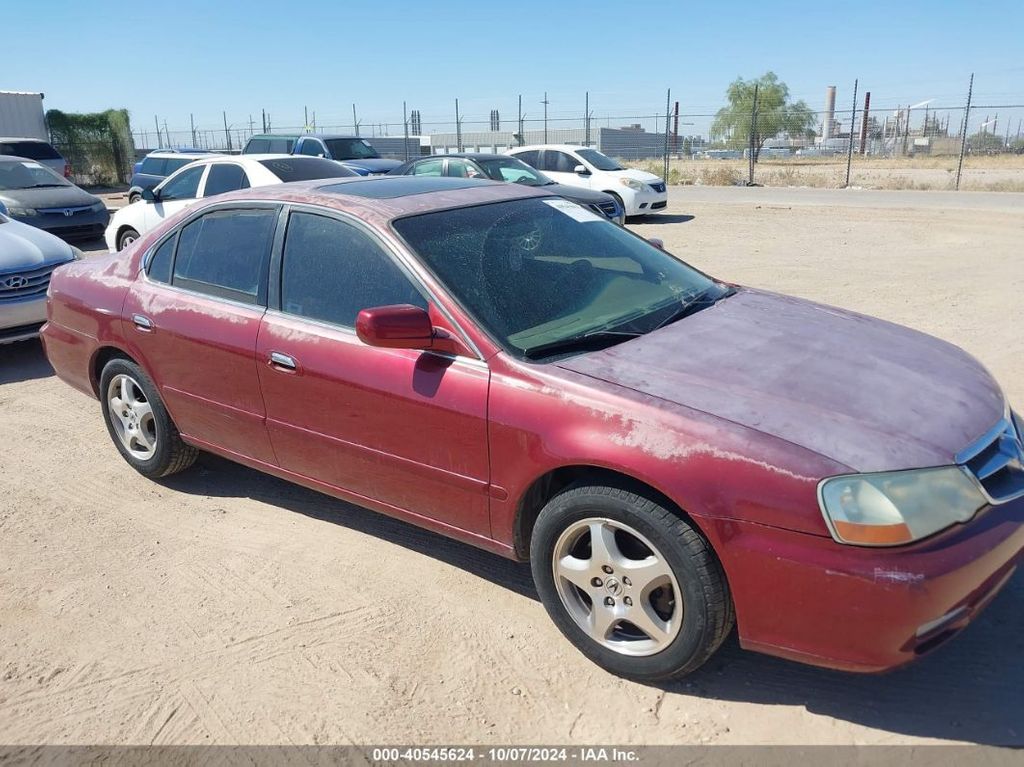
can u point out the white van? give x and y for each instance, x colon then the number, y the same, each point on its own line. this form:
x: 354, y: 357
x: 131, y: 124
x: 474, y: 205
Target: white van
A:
x: 639, y: 192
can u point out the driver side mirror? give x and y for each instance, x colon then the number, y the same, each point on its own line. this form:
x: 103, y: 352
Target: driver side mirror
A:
x: 150, y: 195
x: 3, y: 209
x: 581, y: 170
x: 400, y: 326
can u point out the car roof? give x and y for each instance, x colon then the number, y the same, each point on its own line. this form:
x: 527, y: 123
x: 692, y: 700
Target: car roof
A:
x: 561, y: 147
x: 18, y: 158
x: 384, y: 198
x: 24, y: 138
x: 180, y: 154
x: 470, y: 156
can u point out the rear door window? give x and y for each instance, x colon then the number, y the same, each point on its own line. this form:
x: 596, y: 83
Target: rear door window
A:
x: 531, y: 157
x: 225, y: 177
x: 226, y: 254
x: 154, y: 166
x: 161, y: 260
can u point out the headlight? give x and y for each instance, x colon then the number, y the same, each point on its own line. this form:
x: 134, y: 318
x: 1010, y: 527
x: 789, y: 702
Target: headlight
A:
x: 99, y: 207
x: 893, y: 508
x: 633, y: 184
x: 23, y: 211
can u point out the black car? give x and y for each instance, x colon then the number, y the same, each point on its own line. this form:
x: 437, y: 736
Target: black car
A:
x: 499, y: 167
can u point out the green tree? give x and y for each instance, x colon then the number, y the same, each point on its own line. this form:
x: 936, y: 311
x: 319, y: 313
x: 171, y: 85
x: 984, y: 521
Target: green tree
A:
x: 775, y: 114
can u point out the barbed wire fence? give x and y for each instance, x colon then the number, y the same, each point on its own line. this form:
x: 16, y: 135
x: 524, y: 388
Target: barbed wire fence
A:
x: 867, y: 141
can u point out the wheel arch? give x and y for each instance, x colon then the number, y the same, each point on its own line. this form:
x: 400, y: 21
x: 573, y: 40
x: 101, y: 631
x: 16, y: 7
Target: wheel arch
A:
x: 100, y: 358
x: 549, y: 484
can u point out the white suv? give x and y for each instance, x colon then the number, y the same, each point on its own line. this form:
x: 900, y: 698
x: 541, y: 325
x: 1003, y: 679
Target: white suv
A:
x: 638, y: 191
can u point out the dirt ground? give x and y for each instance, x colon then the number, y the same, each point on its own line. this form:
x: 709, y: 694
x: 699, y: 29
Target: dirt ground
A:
x: 224, y: 606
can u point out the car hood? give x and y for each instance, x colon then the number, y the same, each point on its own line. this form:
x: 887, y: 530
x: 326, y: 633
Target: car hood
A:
x: 577, y: 194
x: 25, y: 247
x: 639, y: 175
x: 378, y: 165
x: 866, y: 393
x: 48, y: 197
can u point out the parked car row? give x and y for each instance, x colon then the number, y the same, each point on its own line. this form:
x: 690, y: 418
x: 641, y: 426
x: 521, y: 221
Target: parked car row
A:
x: 675, y: 455
x: 208, y: 177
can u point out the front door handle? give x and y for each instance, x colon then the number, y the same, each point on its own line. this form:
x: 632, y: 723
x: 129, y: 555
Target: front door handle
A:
x: 142, y: 322
x: 279, y: 360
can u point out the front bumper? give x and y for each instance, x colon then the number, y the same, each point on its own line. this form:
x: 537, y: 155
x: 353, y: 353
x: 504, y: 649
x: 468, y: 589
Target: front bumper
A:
x: 810, y: 599
x: 642, y: 203
x: 21, y: 319
x: 78, y: 225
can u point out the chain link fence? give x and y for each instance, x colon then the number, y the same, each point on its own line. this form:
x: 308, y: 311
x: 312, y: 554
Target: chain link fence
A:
x: 858, y: 139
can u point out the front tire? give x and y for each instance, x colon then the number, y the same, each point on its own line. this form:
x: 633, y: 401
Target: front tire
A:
x: 631, y: 584
x: 134, y: 197
x: 139, y: 424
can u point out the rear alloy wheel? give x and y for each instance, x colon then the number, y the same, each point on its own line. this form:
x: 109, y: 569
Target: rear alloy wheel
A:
x: 138, y: 422
x: 126, y: 238
x: 633, y: 585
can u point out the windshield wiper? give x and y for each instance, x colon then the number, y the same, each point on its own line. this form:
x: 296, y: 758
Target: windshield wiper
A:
x: 689, y: 306
x: 590, y: 340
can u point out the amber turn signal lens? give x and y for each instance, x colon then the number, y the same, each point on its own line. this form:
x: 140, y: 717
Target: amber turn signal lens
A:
x: 873, y: 535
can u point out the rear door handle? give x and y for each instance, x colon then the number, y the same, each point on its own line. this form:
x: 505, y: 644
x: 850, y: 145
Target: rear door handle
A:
x: 277, y: 359
x: 142, y: 322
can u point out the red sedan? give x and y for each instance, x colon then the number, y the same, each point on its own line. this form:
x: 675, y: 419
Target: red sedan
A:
x: 675, y: 455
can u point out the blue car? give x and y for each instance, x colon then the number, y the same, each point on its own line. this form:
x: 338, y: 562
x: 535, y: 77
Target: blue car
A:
x: 353, y: 152
x: 158, y: 165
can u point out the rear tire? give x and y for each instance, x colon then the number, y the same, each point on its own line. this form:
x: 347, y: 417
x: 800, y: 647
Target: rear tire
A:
x: 139, y: 424
x: 133, y: 198
x: 649, y: 602
x: 126, y: 238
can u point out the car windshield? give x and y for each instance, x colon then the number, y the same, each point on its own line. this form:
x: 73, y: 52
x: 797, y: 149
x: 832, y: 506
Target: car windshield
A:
x: 511, y: 169
x: 27, y: 174
x: 539, y: 272
x: 306, y: 168
x: 350, y: 149
x: 598, y: 160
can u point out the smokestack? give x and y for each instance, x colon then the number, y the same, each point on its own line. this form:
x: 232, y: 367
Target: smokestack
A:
x: 828, y: 124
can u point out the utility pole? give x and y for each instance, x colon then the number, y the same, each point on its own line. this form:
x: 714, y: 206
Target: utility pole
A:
x: 849, y: 147
x: 264, y: 115
x: 192, y: 124
x: 522, y: 138
x: 159, y: 138
x: 458, y: 127
x: 753, y: 133
x: 545, y: 103
x: 355, y: 121
x: 963, y: 137
x: 405, y: 122
x: 586, y: 119
x: 305, y: 119
x: 227, y: 133
x: 668, y: 115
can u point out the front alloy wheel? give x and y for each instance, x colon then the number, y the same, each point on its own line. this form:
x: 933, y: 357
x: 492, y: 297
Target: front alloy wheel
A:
x: 630, y: 581
x: 617, y: 586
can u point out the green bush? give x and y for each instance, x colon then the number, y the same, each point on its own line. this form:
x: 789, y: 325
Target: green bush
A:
x: 99, y: 145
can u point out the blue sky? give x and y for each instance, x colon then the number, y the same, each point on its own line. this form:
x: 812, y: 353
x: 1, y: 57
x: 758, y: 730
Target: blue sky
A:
x: 202, y: 57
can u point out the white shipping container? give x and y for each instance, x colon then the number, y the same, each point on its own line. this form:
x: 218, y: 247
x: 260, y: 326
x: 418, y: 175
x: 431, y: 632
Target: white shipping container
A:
x: 21, y: 115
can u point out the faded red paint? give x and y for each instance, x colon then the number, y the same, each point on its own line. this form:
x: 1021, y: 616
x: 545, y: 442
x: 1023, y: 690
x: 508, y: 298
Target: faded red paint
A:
x: 735, y: 414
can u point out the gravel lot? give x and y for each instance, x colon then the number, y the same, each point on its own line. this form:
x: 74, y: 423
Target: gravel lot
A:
x: 224, y: 606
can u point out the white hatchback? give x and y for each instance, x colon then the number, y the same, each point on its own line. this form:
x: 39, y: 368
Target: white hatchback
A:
x: 209, y: 177
x: 639, y: 192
